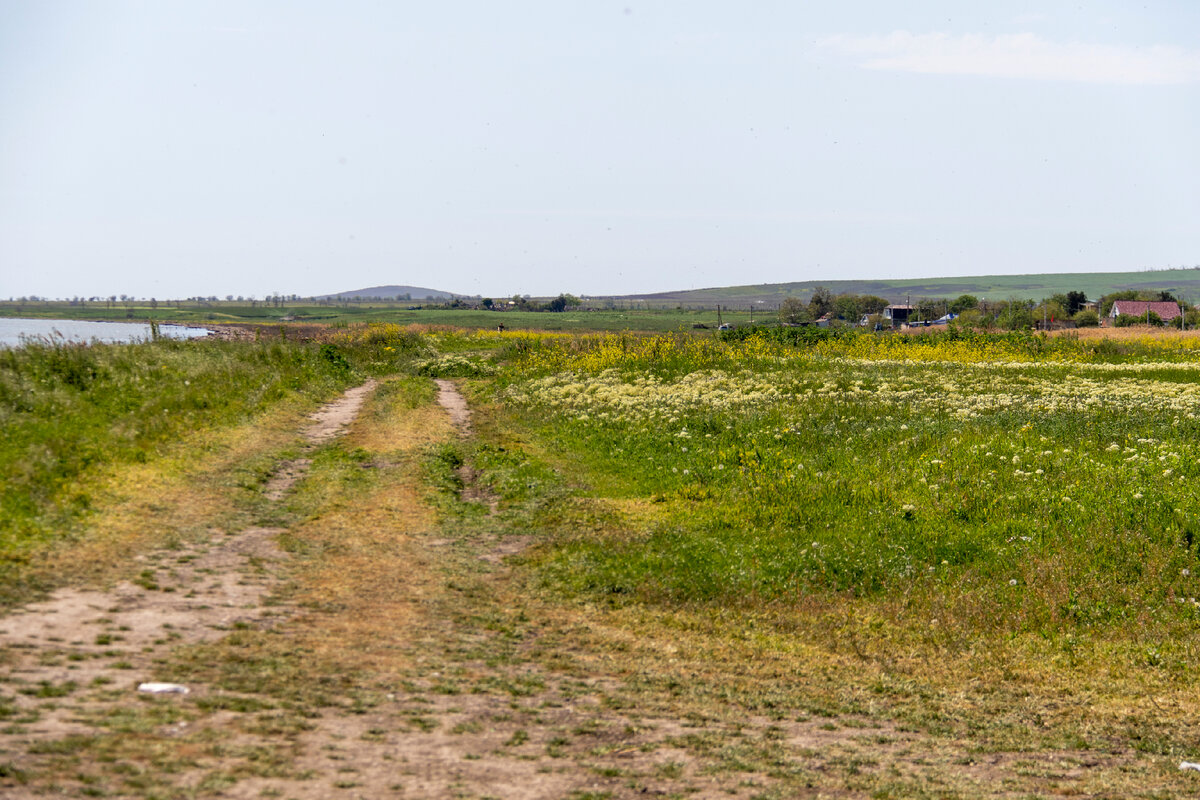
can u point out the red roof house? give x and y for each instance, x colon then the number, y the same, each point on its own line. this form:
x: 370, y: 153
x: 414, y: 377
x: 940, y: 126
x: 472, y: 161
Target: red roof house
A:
x: 1137, y: 308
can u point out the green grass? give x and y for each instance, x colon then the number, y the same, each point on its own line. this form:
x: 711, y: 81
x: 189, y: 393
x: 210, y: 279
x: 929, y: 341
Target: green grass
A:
x: 923, y: 538
x: 88, y: 427
x: 270, y: 317
x: 1053, y: 497
x: 68, y: 409
x: 992, y: 287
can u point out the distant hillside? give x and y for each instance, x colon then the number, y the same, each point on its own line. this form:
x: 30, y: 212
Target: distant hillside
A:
x: 401, y: 292
x: 1185, y: 282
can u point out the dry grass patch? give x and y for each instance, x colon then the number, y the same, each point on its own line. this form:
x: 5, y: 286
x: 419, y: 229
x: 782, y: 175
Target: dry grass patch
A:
x: 1132, y: 333
x: 399, y: 417
x: 369, y: 587
x: 196, y: 486
x: 825, y: 703
x: 360, y: 570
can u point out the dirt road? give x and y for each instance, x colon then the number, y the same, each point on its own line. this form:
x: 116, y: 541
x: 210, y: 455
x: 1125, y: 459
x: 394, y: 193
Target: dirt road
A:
x: 370, y: 637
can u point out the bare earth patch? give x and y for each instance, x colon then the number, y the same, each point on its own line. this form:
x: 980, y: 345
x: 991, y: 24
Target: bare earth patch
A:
x: 80, y: 655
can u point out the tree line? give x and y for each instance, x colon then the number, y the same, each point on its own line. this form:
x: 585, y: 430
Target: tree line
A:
x: 1060, y: 309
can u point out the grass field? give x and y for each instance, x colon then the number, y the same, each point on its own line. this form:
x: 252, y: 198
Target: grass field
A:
x: 1004, y: 523
x: 217, y: 313
x: 941, y: 565
x: 1185, y: 283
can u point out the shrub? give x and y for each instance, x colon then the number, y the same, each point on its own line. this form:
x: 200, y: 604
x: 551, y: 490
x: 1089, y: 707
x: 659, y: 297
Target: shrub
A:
x: 1087, y: 319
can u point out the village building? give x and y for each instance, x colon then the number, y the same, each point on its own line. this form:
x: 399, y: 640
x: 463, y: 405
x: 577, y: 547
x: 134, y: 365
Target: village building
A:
x: 1166, y: 311
x: 897, y: 314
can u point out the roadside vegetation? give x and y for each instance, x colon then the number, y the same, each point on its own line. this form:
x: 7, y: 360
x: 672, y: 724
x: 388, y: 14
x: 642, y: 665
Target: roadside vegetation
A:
x: 74, y: 415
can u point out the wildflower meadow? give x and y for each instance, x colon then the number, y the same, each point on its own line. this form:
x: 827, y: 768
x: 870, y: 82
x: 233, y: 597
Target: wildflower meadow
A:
x: 1002, y: 485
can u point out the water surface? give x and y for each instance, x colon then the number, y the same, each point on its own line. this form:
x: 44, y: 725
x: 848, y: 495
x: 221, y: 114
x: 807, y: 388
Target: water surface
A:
x: 14, y: 330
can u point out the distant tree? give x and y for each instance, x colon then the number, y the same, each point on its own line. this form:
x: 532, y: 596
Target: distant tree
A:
x: 1190, y: 317
x: 1106, y: 302
x: 793, y: 311
x: 1016, y: 315
x: 972, y: 318
x: 930, y: 308
x: 963, y: 303
x: 1051, y: 310
x: 848, y: 306
x: 871, y: 304
x: 821, y: 302
x: 562, y: 302
x: 487, y: 303
x: 1075, y: 302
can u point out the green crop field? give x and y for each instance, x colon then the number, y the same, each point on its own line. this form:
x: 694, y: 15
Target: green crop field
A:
x: 1184, y: 282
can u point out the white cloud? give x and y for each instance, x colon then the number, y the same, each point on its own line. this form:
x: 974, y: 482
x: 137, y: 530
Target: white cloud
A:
x: 1022, y: 55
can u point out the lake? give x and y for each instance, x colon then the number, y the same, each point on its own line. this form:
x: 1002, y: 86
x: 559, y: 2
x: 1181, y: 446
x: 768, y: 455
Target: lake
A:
x: 12, y: 331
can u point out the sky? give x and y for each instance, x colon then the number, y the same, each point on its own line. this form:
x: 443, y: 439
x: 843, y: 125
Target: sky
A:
x: 170, y: 149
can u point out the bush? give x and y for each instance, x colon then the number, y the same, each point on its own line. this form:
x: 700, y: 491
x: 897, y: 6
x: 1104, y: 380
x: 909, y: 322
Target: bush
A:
x: 807, y: 335
x: 971, y: 318
x: 1087, y: 319
x: 1191, y: 319
x: 1016, y: 317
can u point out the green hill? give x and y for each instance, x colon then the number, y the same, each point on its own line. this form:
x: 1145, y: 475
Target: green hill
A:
x: 1182, y: 282
x: 392, y: 292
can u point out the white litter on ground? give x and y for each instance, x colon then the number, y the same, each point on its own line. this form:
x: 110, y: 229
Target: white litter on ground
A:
x: 163, y: 688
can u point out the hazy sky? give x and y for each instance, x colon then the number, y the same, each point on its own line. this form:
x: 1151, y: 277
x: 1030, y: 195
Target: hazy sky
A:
x: 169, y: 149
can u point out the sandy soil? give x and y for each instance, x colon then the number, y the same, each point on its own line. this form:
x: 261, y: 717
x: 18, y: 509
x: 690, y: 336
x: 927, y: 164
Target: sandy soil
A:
x: 455, y: 404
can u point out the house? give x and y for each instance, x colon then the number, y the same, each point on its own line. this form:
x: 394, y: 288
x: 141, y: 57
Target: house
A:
x: 825, y: 319
x: 897, y: 314
x: 1166, y: 311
